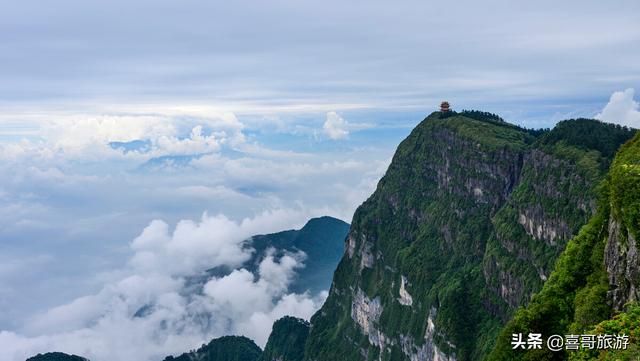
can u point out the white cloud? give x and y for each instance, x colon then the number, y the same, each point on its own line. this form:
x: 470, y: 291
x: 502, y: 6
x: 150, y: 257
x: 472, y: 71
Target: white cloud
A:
x: 176, y: 318
x: 196, y: 143
x: 258, y: 325
x: 87, y: 137
x: 251, y: 302
x: 335, y: 127
x: 77, y: 132
x: 622, y: 109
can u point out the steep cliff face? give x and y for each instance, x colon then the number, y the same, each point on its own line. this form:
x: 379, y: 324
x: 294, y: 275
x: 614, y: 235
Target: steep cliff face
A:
x: 553, y: 199
x: 595, y: 277
x: 621, y: 252
x: 462, y: 229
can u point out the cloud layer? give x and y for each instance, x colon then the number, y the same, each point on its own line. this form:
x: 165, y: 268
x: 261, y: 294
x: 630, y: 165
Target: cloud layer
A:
x: 85, y: 184
x: 150, y: 309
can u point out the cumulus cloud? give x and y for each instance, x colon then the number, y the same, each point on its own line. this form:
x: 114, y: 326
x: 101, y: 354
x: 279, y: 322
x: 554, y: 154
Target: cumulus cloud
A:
x: 213, y: 242
x: 152, y: 308
x: 335, y: 127
x: 622, y: 109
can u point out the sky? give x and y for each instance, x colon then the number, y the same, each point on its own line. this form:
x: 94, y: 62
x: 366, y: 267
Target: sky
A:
x: 136, y: 134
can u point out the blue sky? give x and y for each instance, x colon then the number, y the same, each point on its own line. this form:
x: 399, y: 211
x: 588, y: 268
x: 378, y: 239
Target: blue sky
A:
x: 230, y: 119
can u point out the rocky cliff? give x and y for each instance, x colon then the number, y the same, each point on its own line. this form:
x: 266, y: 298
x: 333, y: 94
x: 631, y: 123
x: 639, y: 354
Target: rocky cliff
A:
x: 463, y: 228
x: 595, y: 278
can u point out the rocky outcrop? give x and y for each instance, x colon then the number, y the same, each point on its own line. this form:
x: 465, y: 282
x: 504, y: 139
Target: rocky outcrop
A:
x: 622, y: 263
x: 429, y: 351
x: 366, y: 313
x: 405, y: 298
x: 539, y: 227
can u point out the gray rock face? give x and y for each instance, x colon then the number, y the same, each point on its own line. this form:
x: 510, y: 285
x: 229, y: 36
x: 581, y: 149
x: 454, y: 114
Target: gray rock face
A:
x: 366, y: 313
x: 405, y: 298
x: 540, y: 227
x: 623, y: 265
x: 548, y: 206
x: 429, y: 351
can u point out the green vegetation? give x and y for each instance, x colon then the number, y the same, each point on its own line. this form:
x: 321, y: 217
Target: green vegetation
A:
x: 487, y: 131
x: 625, y: 187
x: 56, y: 356
x: 589, y: 134
x: 626, y: 323
x: 482, y: 116
x: 287, y: 340
x: 227, y: 348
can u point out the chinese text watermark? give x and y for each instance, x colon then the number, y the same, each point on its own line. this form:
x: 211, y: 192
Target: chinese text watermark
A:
x: 569, y: 342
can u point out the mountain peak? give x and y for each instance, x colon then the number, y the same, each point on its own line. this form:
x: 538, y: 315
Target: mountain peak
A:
x: 226, y: 348
x: 56, y: 356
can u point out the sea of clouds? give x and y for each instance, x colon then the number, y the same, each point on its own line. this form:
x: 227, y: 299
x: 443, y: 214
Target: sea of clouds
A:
x: 146, y: 312
x: 105, y: 221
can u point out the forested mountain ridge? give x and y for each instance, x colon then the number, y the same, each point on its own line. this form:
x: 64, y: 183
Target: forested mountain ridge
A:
x: 464, y: 228
x: 56, y: 356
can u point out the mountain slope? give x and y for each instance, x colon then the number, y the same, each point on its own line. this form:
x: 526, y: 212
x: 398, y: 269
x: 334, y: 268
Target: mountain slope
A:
x: 227, y: 348
x: 463, y: 228
x: 56, y: 356
x: 598, y: 273
x: 321, y: 239
x: 287, y: 340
